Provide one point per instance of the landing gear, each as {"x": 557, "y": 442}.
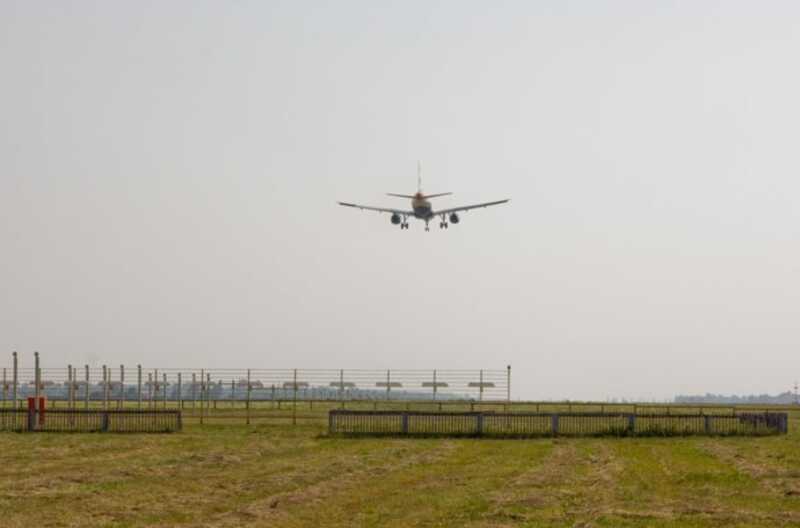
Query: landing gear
{"x": 443, "y": 225}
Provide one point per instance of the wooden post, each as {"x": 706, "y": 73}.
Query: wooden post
{"x": 632, "y": 423}
{"x": 554, "y": 423}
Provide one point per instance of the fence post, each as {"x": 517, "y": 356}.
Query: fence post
{"x": 104, "y": 425}
{"x": 105, "y": 387}
{"x": 508, "y": 383}
{"x": 202, "y": 390}
{"x": 405, "y": 423}
{"x": 15, "y": 381}
{"x": 208, "y": 394}
{"x": 37, "y": 381}
{"x": 341, "y": 386}
{"x": 122, "y": 386}
{"x": 294, "y": 407}
{"x": 248, "y": 397}
{"x": 139, "y": 384}
{"x": 86, "y": 391}
{"x": 70, "y": 386}
{"x": 479, "y": 424}
{"x": 149, "y": 390}
{"x": 32, "y": 418}
{"x": 554, "y": 423}
{"x": 707, "y": 423}
{"x": 156, "y": 386}
{"x": 632, "y": 423}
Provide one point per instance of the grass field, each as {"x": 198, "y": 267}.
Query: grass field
{"x": 274, "y": 474}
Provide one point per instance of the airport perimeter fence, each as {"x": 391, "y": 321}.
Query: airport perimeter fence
{"x": 504, "y": 425}
{"x": 204, "y": 391}
{"x": 297, "y": 395}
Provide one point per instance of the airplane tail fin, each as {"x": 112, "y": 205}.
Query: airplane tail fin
{"x": 419, "y": 188}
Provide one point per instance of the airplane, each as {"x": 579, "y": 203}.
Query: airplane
{"x": 422, "y": 209}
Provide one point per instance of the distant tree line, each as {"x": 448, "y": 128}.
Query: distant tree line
{"x": 782, "y": 398}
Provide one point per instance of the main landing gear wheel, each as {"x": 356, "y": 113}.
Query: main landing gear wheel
{"x": 443, "y": 225}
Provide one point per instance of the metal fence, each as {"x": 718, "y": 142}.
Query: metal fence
{"x": 83, "y": 421}
{"x": 149, "y": 387}
{"x": 550, "y": 424}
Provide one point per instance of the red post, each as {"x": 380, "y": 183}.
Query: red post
{"x": 40, "y": 411}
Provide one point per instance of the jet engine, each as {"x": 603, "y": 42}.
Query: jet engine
{"x": 454, "y": 219}
{"x": 395, "y": 218}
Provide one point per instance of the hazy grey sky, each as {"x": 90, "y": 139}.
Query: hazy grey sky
{"x": 169, "y": 172}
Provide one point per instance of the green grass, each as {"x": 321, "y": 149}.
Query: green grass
{"x": 274, "y": 474}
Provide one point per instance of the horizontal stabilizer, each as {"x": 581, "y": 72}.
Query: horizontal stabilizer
{"x": 425, "y": 196}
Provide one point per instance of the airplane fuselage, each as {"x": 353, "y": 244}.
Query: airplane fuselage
{"x": 422, "y": 207}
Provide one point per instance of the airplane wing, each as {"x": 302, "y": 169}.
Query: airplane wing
{"x": 378, "y": 209}
{"x": 468, "y": 207}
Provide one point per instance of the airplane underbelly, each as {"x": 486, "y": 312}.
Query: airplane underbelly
{"x": 422, "y": 212}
